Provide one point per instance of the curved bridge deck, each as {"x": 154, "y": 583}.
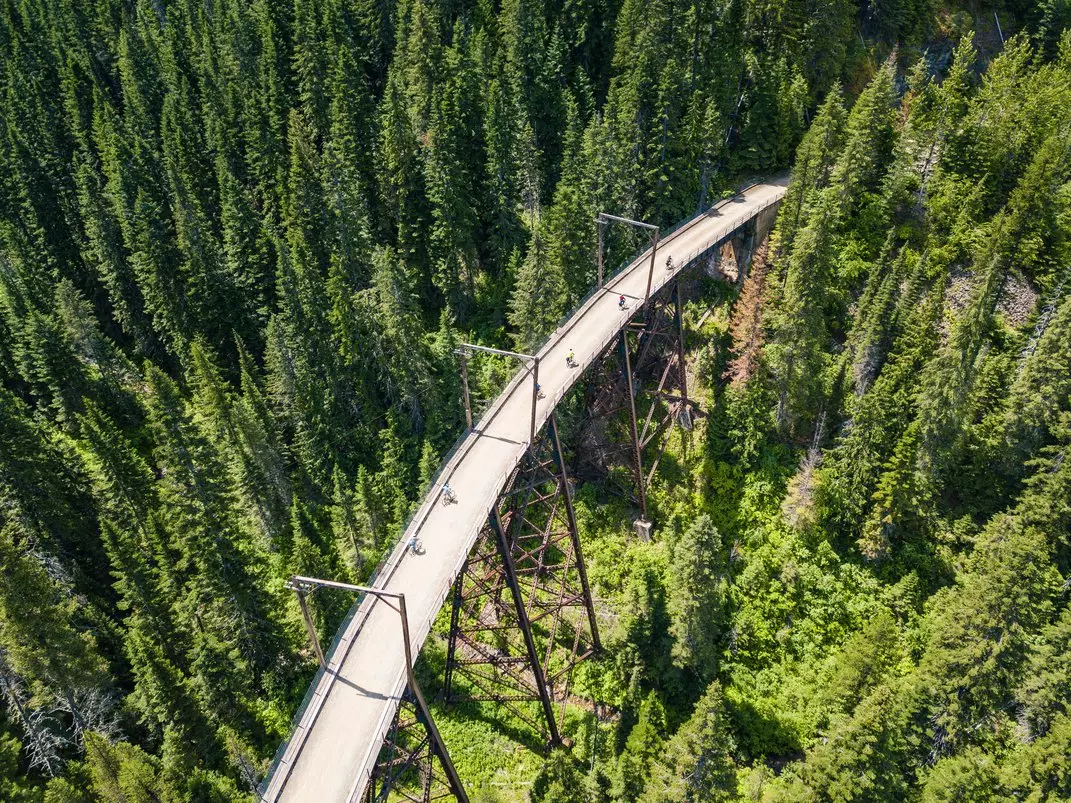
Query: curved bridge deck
{"x": 337, "y": 738}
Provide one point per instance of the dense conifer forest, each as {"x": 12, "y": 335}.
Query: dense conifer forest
{"x": 240, "y": 241}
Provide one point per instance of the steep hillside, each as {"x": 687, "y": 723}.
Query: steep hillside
{"x": 860, "y": 588}
{"x": 240, "y": 240}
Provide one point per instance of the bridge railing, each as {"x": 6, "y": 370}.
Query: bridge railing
{"x": 664, "y": 238}
{"x": 318, "y": 689}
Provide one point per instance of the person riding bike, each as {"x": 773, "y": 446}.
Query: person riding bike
{"x": 621, "y": 302}
{"x": 448, "y": 494}
{"x": 414, "y": 544}
{"x": 669, "y": 262}
{"x": 570, "y": 359}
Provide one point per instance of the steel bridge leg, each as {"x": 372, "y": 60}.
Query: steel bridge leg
{"x": 637, "y": 458}
{"x": 437, "y": 745}
{"x": 574, "y": 534}
{"x": 412, "y": 745}
{"x": 451, "y": 648}
{"x": 522, "y": 605}
{"x": 684, "y": 416}
{"x": 655, "y": 359}
{"x": 508, "y": 567}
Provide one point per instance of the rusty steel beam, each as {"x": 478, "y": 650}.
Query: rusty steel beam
{"x": 574, "y": 534}
{"x": 650, "y": 270}
{"x": 506, "y": 554}
{"x": 407, "y": 768}
{"x": 678, "y": 314}
{"x": 464, "y": 358}
{"x": 637, "y": 457}
{"x": 522, "y": 615}
{"x": 650, "y": 362}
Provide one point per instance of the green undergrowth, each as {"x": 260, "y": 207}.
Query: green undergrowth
{"x": 496, "y": 752}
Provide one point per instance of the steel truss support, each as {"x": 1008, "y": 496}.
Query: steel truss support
{"x": 413, "y": 763}
{"x": 409, "y": 766}
{"x": 625, "y": 424}
{"x": 522, "y": 614}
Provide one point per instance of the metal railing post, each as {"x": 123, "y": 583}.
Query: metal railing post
{"x": 465, "y": 386}
{"x": 602, "y": 229}
{"x": 650, "y": 271}
{"x": 463, "y": 350}
{"x": 302, "y": 586}
{"x": 606, "y": 217}
{"x": 307, "y": 616}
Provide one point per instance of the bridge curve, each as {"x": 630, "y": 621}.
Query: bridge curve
{"x": 333, "y": 749}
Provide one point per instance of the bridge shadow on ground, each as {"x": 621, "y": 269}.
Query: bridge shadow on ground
{"x": 431, "y": 669}
{"x": 509, "y": 725}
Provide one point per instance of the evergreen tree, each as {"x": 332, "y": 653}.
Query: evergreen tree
{"x": 450, "y": 177}
{"x": 223, "y": 599}
{"x": 538, "y": 301}
{"x": 696, "y": 594}
{"x": 397, "y": 340}
{"x": 1046, "y": 690}
{"x": 697, "y": 763}
{"x": 123, "y": 772}
{"x": 133, "y": 537}
{"x": 985, "y": 621}
{"x": 970, "y": 775}
{"x": 814, "y": 162}
{"x": 950, "y": 376}
{"x": 1039, "y": 769}
{"x": 862, "y": 756}
{"x": 42, "y": 492}
{"x": 560, "y": 779}
{"x": 643, "y": 748}
{"x": 868, "y": 140}
{"x": 503, "y": 134}
{"x": 401, "y": 174}
{"x": 800, "y": 338}
{"x": 350, "y": 526}
{"x": 880, "y": 420}
{"x": 41, "y": 637}
{"x": 570, "y": 237}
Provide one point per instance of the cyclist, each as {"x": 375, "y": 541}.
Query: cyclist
{"x": 449, "y": 497}
{"x": 621, "y": 302}
{"x": 570, "y": 359}
{"x": 669, "y": 262}
{"x": 414, "y": 544}
{"x": 539, "y": 391}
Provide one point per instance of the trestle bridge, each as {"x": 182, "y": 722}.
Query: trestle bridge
{"x": 505, "y": 555}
